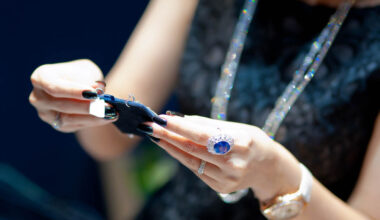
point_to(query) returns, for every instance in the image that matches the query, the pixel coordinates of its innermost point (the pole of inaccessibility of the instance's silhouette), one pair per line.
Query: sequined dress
(328, 128)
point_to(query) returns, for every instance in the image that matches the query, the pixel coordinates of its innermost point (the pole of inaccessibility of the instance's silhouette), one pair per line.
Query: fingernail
(101, 82)
(110, 113)
(154, 139)
(160, 121)
(89, 94)
(143, 128)
(175, 113)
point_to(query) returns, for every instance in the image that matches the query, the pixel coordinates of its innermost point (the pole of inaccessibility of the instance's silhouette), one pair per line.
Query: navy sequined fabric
(328, 128)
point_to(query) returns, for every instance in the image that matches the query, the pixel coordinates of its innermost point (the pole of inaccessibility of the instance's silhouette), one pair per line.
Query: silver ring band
(57, 121)
(201, 168)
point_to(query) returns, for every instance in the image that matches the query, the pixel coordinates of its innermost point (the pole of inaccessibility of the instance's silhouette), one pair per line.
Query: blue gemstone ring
(220, 144)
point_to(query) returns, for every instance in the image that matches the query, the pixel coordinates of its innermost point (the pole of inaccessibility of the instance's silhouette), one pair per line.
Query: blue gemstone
(222, 147)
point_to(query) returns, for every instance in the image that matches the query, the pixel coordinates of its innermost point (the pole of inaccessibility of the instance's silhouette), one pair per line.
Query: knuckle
(201, 138)
(90, 66)
(238, 165)
(194, 117)
(87, 62)
(189, 146)
(225, 189)
(245, 148)
(250, 143)
(51, 89)
(43, 116)
(191, 163)
(65, 120)
(32, 98)
(60, 105)
(43, 69)
(66, 130)
(37, 71)
(162, 133)
(34, 78)
(217, 187)
(234, 181)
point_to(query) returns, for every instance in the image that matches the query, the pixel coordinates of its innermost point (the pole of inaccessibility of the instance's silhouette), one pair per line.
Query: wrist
(289, 205)
(284, 176)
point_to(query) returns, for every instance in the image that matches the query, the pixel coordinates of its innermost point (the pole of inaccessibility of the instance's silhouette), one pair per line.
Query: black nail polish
(110, 113)
(160, 121)
(89, 95)
(145, 129)
(154, 139)
(175, 113)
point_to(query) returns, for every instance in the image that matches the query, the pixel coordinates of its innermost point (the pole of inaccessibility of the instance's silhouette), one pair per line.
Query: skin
(255, 162)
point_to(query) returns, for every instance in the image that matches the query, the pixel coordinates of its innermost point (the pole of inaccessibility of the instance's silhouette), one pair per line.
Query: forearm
(286, 177)
(363, 202)
(148, 65)
(147, 68)
(325, 205)
(105, 142)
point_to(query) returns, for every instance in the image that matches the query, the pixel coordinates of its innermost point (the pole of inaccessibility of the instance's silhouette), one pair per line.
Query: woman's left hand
(255, 161)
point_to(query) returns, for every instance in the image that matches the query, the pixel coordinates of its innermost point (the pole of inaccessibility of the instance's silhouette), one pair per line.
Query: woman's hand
(255, 160)
(61, 94)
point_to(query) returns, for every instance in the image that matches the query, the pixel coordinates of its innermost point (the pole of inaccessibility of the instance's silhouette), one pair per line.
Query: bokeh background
(45, 174)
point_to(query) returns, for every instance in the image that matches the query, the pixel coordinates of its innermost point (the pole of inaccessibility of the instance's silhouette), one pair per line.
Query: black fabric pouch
(131, 114)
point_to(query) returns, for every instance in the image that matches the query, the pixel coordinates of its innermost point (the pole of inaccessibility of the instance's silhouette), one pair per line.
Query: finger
(75, 120)
(41, 100)
(194, 118)
(191, 162)
(58, 87)
(70, 106)
(196, 132)
(214, 184)
(47, 116)
(71, 122)
(185, 144)
(200, 129)
(212, 122)
(65, 89)
(99, 84)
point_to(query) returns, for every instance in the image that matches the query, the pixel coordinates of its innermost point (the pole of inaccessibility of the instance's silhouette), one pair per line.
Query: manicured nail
(154, 139)
(89, 94)
(160, 121)
(143, 128)
(101, 82)
(175, 113)
(110, 113)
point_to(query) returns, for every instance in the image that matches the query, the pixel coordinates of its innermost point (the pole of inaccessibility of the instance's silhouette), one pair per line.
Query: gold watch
(289, 205)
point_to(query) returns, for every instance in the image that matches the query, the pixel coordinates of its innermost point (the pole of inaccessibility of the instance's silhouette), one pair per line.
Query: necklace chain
(301, 77)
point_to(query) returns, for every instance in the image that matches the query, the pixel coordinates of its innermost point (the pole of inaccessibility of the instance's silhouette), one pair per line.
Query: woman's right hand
(62, 93)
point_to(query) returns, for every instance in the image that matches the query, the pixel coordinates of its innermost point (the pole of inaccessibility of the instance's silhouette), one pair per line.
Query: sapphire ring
(220, 144)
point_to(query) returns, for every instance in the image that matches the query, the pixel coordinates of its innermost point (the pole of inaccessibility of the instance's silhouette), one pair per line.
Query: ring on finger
(220, 144)
(201, 168)
(57, 121)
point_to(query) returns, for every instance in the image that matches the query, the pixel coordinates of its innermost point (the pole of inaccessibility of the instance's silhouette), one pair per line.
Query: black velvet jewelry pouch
(131, 114)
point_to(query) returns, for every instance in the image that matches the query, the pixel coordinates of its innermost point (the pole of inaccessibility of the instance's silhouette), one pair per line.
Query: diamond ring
(220, 144)
(201, 168)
